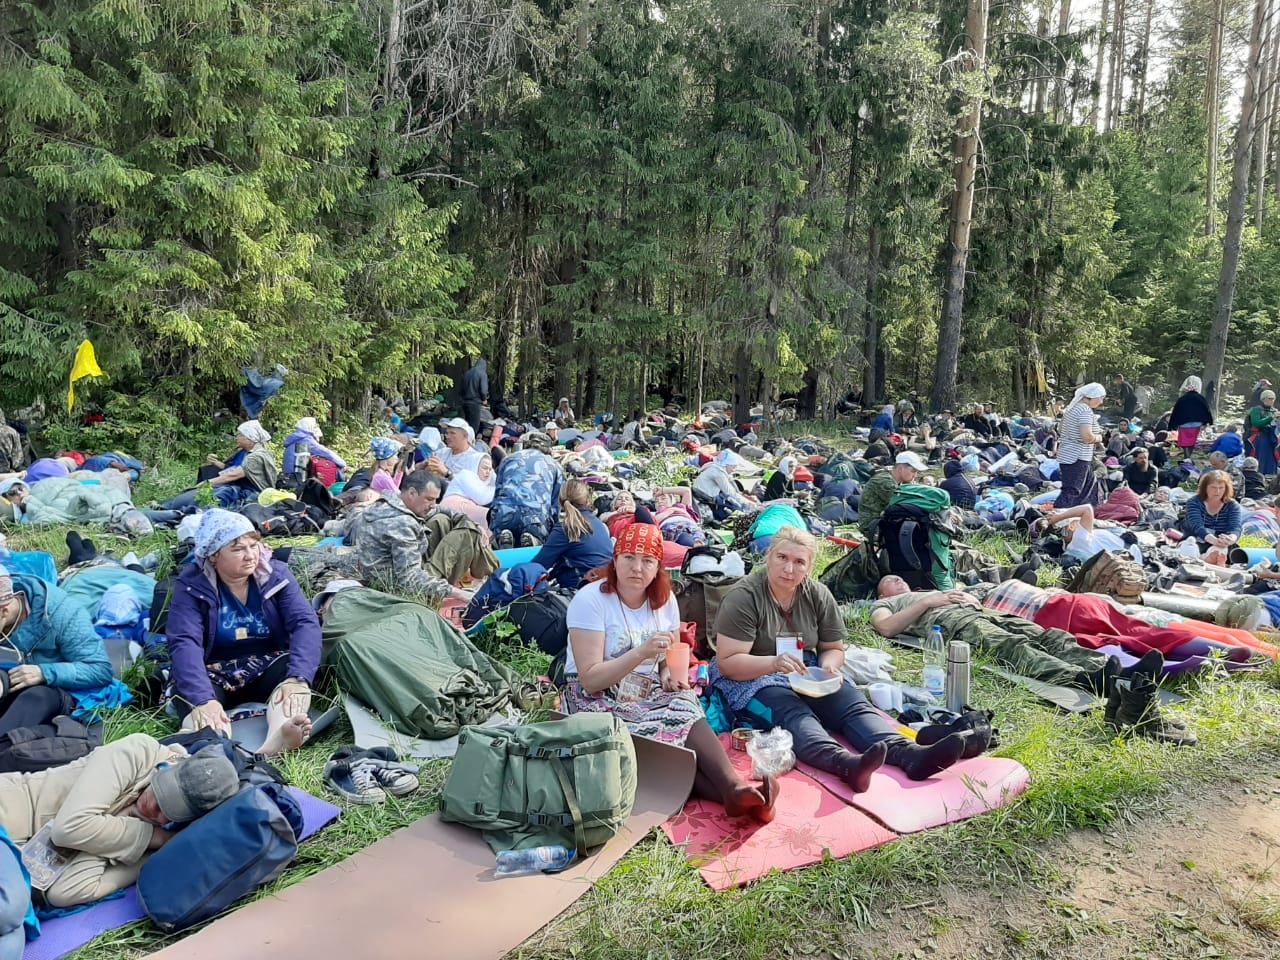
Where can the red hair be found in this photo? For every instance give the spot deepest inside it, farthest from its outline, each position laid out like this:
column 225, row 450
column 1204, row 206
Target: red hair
column 658, row 592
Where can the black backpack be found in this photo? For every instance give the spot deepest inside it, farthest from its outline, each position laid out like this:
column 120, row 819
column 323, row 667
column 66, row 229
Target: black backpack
column 287, row 518
column 253, row 769
column 45, row 745
column 905, row 549
column 541, row 619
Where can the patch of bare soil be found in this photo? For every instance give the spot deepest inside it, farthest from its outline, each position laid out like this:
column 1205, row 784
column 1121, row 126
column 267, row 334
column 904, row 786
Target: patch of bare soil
column 1198, row 882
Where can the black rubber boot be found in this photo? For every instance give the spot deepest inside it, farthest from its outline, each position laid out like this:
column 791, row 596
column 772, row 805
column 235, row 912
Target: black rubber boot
column 1138, row 710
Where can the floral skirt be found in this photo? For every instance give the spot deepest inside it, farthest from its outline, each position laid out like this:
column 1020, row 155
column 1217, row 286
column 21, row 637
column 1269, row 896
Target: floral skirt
column 663, row 716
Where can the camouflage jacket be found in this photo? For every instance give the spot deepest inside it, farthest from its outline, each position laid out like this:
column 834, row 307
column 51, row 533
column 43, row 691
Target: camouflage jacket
column 390, row 544
column 11, row 457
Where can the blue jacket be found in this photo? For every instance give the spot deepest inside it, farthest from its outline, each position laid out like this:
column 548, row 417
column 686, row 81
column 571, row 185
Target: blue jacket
column 59, row 638
column 193, row 627
column 570, row 561
column 1229, row 445
column 314, row 447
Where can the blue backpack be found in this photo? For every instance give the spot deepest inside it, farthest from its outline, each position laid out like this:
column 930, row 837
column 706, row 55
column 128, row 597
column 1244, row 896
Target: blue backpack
column 227, row 854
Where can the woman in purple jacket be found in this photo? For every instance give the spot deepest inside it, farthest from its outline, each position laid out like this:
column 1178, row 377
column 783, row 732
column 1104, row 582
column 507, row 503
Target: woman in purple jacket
column 241, row 631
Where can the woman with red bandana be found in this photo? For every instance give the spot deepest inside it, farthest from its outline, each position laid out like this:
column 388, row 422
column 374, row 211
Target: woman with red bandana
column 622, row 624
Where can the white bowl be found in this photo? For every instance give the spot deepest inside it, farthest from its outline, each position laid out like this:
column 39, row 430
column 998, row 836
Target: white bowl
column 815, row 682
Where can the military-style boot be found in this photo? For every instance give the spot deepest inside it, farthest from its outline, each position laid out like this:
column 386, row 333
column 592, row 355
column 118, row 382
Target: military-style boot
column 1137, row 708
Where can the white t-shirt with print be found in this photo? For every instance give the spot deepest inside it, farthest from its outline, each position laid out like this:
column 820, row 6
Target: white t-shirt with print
column 590, row 609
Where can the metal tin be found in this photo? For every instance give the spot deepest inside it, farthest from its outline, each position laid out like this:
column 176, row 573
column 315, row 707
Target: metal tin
column 957, row 684
column 741, row 737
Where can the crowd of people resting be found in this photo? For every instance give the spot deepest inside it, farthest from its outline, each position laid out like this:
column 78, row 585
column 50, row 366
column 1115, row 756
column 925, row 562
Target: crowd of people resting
column 426, row 514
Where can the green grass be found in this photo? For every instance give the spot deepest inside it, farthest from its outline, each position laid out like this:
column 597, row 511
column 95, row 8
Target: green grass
column 653, row 904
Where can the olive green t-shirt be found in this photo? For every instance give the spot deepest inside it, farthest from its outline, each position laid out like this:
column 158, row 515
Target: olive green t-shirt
column 923, row 623
column 749, row 613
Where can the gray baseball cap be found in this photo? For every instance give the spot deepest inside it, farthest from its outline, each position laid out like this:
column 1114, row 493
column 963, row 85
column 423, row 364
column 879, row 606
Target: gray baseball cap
column 192, row 787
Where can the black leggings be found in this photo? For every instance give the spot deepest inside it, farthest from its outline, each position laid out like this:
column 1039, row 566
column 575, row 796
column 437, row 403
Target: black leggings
column 32, row 706
column 255, row 691
column 810, row 721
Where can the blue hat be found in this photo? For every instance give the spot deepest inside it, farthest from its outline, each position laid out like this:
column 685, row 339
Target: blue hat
column 383, row 448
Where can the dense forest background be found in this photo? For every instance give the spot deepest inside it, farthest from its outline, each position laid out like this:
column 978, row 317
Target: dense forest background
column 954, row 199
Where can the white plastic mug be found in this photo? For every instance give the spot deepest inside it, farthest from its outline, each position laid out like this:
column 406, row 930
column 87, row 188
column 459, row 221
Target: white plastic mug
column 886, row 696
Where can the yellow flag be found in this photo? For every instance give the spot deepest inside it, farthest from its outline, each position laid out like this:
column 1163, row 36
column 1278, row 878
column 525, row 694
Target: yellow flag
column 86, row 365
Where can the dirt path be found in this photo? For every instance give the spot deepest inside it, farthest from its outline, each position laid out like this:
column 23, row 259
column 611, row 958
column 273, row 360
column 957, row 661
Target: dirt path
column 1181, row 885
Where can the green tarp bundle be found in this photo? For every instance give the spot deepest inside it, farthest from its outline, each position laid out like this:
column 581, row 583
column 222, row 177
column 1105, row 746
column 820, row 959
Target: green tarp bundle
column 412, row 666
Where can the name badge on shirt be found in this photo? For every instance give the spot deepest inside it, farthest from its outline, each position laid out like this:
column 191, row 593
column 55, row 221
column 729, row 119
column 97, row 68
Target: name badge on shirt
column 242, row 633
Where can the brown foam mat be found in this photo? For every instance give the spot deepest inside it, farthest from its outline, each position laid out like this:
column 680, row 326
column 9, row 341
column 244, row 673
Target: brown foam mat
column 429, row 890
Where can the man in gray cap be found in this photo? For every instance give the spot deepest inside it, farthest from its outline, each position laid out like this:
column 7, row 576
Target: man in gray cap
column 109, row 811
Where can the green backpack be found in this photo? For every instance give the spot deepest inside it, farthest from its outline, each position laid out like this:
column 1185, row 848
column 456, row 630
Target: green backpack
column 915, row 534
column 570, row 781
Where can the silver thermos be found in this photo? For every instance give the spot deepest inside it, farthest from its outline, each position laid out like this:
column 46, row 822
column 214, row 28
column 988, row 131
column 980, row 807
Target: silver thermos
column 957, row 688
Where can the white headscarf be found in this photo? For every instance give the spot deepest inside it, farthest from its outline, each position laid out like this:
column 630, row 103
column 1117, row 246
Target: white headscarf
column 1090, row 391
column 1192, row 383
column 887, row 408
column 467, row 483
column 309, row 425
column 252, row 430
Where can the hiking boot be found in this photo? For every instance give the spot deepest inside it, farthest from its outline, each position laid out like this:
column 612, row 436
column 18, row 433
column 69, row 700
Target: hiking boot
column 504, row 540
column 1098, row 681
column 354, row 782
column 1137, row 708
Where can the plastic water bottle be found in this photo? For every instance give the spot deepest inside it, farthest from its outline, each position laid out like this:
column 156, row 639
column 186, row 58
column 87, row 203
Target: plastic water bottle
column 935, row 663
column 513, row 863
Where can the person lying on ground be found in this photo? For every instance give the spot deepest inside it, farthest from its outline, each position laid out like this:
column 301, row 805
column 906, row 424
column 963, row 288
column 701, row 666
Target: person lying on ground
column 112, row 808
column 459, row 453
column 239, row 479
column 879, row 489
column 49, row 652
column 305, row 440
column 778, row 621
column 579, row 542
column 675, row 516
column 241, row 631
column 1096, row 621
column 17, row 916
column 1050, row 655
column 620, row 629
column 1214, row 518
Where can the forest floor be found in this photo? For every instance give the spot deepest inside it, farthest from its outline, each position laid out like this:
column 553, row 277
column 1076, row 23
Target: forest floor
column 1119, row 848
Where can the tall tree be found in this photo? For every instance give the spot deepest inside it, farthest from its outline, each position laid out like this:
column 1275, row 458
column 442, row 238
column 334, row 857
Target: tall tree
column 1216, row 349
column 1213, row 110
column 943, row 394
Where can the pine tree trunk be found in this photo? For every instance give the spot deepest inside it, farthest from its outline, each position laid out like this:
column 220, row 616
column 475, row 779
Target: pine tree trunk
column 1115, row 70
column 1097, row 67
column 1144, row 66
column 1042, row 83
column 966, row 154
column 1216, row 351
column 871, row 328
column 1060, row 85
column 742, row 383
column 1213, row 79
column 1266, row 109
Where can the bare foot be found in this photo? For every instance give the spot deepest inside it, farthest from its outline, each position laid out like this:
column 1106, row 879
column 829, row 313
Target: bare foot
column 743, row 800
column 290, row 736
column 769, row 788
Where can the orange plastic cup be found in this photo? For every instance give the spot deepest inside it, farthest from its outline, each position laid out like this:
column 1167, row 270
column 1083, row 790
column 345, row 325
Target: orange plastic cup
column 678, row 659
